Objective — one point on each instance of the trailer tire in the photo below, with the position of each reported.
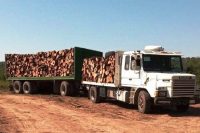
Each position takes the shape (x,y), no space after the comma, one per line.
(28,87)
(17,87)
(65,88)
(144,102)
(182,108)
(94,94)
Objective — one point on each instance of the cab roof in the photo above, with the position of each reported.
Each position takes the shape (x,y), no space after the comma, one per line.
(155,53)
(154,50)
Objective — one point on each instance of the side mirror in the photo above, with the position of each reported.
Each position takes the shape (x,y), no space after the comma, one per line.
(138,64)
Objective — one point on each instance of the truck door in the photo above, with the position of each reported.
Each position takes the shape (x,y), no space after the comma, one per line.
(130,71)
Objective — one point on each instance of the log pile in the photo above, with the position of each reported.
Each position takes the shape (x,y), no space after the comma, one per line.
(99,69)
(41,64)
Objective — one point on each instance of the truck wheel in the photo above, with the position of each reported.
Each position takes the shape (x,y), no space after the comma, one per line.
(65,88)
(182,108)
(144,102)
(94,95)
(28,88)
(17,87)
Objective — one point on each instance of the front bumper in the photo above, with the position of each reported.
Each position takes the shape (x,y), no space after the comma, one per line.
(175,101)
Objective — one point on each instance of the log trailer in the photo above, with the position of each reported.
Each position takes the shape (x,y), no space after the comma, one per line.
(144,78)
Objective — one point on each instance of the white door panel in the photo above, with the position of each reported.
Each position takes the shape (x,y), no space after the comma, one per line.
(130,77)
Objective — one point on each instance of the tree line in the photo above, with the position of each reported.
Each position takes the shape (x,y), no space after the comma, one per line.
(2,71)
(192,65)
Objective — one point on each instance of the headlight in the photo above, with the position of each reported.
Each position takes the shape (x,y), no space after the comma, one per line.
(162,89)
(166,80)
(161,93)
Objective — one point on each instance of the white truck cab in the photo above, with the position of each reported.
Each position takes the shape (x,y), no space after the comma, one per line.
(160,74)
(145,78)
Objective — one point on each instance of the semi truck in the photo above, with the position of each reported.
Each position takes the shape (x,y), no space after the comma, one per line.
(144,78)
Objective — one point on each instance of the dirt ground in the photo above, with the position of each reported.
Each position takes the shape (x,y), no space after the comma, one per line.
(53,113)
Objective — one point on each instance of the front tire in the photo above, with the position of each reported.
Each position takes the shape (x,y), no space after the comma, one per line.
(144,102)
(94,95)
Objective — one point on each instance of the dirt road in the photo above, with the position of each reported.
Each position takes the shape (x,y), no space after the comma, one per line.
(51,113)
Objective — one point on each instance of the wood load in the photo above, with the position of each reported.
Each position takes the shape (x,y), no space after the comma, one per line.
(42,64)
(99,69)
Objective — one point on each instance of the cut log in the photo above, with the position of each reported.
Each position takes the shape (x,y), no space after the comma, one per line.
(99,69)
(41,64)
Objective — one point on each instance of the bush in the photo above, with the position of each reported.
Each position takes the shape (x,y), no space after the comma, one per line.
(193,66)
(2,71)
(3,83)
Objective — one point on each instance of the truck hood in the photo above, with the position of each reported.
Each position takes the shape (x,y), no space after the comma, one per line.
(167,76)
(164,80)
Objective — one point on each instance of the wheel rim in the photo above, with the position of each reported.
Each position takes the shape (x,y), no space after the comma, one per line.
(17,88)
(26,88)
(141,101)
(92,95)
(63,90)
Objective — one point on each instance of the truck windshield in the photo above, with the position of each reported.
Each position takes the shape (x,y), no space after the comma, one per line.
(162,63)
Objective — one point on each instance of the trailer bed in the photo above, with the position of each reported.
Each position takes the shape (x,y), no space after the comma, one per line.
(80,55)
(98,84)
(42,78)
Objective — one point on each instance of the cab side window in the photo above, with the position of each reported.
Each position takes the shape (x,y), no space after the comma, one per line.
(133,63)
(127,61)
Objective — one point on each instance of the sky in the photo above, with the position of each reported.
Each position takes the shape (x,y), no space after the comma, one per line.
(30,26)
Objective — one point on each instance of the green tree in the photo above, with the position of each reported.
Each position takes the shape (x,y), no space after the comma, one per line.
(2,71)
(193,66)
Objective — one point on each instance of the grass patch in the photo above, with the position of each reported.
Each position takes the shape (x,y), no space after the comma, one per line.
(4,85)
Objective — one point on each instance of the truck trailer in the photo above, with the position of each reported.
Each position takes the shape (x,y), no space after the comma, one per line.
(144,78)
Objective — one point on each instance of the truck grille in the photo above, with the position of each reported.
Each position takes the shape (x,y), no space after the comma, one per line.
(183,88)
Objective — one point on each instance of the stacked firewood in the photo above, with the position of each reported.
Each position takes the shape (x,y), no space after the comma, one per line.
(42,64)
(99,69)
